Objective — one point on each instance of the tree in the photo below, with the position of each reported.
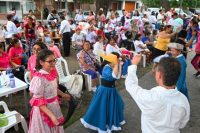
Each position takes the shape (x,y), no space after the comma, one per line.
(99,4)
(172,3)
(40,7)
(102,4)
(165,4)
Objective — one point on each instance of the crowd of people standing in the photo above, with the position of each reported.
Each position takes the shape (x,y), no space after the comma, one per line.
(111,46)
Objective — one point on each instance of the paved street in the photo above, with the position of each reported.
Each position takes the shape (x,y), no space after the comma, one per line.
(132,112)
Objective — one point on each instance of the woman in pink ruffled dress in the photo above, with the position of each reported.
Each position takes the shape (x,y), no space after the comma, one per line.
(45,116)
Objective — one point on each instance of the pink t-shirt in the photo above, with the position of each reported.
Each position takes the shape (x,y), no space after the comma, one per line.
(55,50)
(4,61)
(32,63)
(15,54)
(90,17)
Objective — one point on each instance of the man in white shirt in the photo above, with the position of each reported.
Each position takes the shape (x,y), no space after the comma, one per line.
(65,31)
(160,18)
(152,19)
(11,29)
(178,22)
(15,16)
(164,108)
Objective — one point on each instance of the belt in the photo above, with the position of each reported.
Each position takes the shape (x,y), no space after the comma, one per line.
(106,83)
(66,32)
(50,100)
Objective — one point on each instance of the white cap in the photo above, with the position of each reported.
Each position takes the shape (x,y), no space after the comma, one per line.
(176,46)
(55,21)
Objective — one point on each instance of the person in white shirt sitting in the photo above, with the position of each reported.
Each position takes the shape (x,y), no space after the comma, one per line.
(164,109)
(112,47)
(79,17)
(108,29)
(140,47)
(77,39)
(98,48)
(91,35)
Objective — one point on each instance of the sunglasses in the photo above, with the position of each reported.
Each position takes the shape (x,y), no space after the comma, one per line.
(51,61)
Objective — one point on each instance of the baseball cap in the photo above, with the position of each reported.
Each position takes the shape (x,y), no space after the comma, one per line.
(175,45)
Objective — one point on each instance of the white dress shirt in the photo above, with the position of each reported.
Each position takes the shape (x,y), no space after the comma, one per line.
(91,36)
(78,39)
(152,19)
(160,17)
(137,48)
(109,28)
(110,49)
(163,110)
(64,27)
(79,18)
(98,49)
(11,29)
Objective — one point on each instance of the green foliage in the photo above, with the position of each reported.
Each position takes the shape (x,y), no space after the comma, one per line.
(173,3)
(88,1)
(151,3)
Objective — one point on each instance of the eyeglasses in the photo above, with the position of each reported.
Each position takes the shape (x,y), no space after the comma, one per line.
(36,50)
(51,61)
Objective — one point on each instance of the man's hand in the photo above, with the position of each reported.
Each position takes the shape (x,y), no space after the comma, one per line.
(136,59)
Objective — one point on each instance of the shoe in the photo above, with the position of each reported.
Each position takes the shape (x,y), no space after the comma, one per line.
(197,75)
(94,89)
(74,47)
(124,76)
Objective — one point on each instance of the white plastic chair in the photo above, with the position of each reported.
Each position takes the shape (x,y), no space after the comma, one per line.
(62,69)
(89,81)
(27,77)
(13,119)
(143,58)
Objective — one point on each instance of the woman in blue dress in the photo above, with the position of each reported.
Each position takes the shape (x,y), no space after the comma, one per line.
(105,113)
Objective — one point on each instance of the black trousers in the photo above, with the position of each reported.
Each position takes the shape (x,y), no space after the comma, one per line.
(157,52)
(66,43)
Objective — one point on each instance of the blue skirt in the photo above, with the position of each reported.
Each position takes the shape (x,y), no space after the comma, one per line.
(105,112)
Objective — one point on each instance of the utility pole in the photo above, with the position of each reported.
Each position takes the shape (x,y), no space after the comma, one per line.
(181,4)
(196,4)
(66,6)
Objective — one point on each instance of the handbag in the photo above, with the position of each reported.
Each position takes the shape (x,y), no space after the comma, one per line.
(98,67)
(74,84)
